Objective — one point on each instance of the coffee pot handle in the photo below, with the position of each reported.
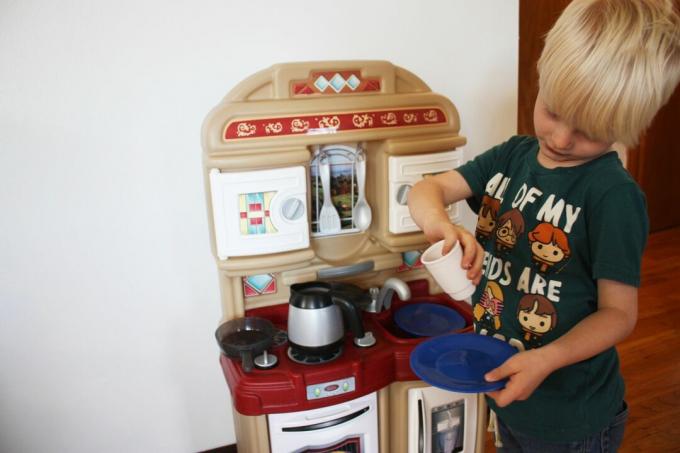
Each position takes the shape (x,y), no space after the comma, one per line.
(351,314)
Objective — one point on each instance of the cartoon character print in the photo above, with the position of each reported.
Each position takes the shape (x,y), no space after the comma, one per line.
(509,227)
(487,311)
(486,221)
(549,246)
(537,316)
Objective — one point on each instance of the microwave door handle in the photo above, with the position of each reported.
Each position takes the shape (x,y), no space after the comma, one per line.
(327,424)
(421,428)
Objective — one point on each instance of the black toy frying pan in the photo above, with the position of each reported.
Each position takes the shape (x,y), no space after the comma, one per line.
(245,338)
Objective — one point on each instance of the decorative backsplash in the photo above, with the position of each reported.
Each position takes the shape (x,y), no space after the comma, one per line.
(259,285)
(411,260)
(335,82)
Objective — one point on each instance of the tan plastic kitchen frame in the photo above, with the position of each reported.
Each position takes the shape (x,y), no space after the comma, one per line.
(269,94)
(272,95)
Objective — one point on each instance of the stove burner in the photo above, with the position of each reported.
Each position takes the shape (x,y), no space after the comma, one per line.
(280,338)
(306,358)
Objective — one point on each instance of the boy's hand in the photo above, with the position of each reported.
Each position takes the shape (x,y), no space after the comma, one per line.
(526,370)
(473,253)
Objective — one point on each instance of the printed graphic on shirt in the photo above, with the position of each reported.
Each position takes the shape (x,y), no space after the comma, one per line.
(549,246)
(486,221)
(545,221)
(509,227)
(497,186)
(487,312)
(537,316)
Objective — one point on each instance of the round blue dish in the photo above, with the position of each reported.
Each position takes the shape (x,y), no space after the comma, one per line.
(428,320)
(458,362)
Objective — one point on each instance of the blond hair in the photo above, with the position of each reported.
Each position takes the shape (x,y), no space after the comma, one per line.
(609,65)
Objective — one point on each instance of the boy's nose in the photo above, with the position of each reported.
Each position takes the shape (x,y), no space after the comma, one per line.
(562,137)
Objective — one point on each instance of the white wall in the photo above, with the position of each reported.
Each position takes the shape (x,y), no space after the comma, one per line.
(108,292)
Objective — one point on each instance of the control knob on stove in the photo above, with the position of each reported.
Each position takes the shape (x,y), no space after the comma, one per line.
(366,341)
(265,360)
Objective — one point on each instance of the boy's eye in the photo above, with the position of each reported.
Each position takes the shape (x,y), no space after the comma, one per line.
(550,113)
(582,134)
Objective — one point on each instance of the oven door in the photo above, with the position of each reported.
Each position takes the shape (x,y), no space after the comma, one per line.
(350,427)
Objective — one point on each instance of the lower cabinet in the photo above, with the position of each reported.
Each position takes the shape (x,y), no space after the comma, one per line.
(425,419)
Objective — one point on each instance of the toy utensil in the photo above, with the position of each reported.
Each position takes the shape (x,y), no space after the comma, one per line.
(329,219)
(362,210)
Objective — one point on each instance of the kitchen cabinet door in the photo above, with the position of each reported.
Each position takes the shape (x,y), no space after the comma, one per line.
(404,172)
(259,212)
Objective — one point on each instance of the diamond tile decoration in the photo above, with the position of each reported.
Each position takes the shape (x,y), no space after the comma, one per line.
(411,260)
(258,285)
(321,83)
(346,81)
(353,82)
(337,82)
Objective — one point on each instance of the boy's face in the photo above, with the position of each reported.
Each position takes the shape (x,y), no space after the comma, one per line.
(560,144)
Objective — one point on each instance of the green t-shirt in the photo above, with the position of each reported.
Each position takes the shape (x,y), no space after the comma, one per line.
(548,235)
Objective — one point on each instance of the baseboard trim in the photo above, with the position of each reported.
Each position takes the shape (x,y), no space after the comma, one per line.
(225,449)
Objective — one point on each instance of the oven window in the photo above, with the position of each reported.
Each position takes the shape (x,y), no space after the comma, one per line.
(349,445)
(448,427)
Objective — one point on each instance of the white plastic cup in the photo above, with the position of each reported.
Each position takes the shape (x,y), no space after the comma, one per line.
(447,271)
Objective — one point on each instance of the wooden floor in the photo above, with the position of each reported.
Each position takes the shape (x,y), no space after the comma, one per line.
(650,357)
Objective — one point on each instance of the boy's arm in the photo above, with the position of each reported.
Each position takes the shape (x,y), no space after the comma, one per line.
(613,321)
(427,202)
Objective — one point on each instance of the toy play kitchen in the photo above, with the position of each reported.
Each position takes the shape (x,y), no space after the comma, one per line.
(307,171)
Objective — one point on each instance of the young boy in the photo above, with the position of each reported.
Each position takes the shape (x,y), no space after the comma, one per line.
(572,224)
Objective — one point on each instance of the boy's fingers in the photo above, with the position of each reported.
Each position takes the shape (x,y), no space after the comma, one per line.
(449,241)
(504,396)
(475,273)
(499,373)
(448,245)
(494,395)
(469,250)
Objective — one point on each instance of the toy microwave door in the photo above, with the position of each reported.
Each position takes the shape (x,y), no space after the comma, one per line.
(404,172)
(259,212)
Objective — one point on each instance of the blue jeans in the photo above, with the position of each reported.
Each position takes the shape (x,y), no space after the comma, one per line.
(606,441)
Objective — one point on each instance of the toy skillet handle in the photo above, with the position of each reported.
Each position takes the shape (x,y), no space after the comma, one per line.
(247,361)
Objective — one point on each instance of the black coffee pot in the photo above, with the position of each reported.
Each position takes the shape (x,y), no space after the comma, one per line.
(318,312)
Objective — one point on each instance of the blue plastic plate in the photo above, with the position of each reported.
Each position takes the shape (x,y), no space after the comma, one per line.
(458,362)
(428,320)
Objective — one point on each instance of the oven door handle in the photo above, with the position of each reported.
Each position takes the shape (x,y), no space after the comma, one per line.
(421,428)
(327,424)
